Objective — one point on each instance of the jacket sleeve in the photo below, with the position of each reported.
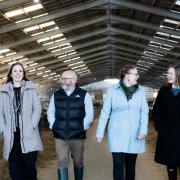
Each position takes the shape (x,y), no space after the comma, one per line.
(104,116)
(2,124)
(37,109)
(144,115)
(156,110)
(51,112)
(89,111)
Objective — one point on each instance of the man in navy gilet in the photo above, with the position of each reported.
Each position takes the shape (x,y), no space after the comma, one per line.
(70,114)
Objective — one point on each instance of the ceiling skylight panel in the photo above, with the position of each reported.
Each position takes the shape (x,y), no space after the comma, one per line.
(34,64)
(14,13)
(85,71)
(35,34)
(40,15)
(67,47)
(32,28)
(4,51)
(33,8)
(43,39)
(72,53)
(50,23)
(178,2)
(163,34)
(165,48)
(176,37)
(57,35)
(75,58)
(68,60)
(73,64)
(39,68)
(47,71)
(174,11)
(152,45)
(82,69)
(63,39)
(171,21)
(23,10)
(52,29)
(143,65)
(157,37)
(10,54)
(76,67)
(24,59)
(22,20)
(167,27)
(170,40)
(54,47)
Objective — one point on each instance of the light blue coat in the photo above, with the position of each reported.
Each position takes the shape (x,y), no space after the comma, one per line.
(127,119)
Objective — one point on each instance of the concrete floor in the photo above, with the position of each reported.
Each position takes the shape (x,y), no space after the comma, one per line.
(98,162)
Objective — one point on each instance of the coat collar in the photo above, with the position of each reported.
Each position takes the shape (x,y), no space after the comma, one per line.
(9,86)
(117,86)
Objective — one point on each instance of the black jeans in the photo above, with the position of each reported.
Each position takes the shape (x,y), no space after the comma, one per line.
(121,159)
(21,166)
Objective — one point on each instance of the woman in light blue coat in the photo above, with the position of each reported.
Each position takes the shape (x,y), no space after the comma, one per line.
(126,108)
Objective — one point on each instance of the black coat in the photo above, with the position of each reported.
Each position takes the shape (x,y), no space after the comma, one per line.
(166,115)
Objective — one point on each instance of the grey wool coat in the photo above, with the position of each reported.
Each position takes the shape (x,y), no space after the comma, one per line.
(28,121)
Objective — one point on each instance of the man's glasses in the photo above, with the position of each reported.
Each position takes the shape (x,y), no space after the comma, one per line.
(64,79)
(136,74)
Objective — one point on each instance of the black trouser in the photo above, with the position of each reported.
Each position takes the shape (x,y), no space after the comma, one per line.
(22,166)
(119,159)
(172,172)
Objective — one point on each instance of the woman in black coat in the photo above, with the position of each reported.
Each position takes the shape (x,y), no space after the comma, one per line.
(166,115)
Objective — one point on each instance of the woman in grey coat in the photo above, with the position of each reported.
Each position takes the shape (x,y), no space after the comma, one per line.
(20,113)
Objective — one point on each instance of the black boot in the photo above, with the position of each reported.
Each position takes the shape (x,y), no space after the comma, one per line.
(63,173)
(172,174)
(78,173)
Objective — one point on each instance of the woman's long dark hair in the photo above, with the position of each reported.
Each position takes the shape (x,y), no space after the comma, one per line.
(177,72)
(9,78)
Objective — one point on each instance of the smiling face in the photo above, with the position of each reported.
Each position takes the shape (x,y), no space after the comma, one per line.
(132,77)
(17,73)
(171,76)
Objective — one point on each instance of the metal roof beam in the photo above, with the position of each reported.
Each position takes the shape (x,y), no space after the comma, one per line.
(143,24)
(50,17)
(146,8)
(145,37)
(10,3)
